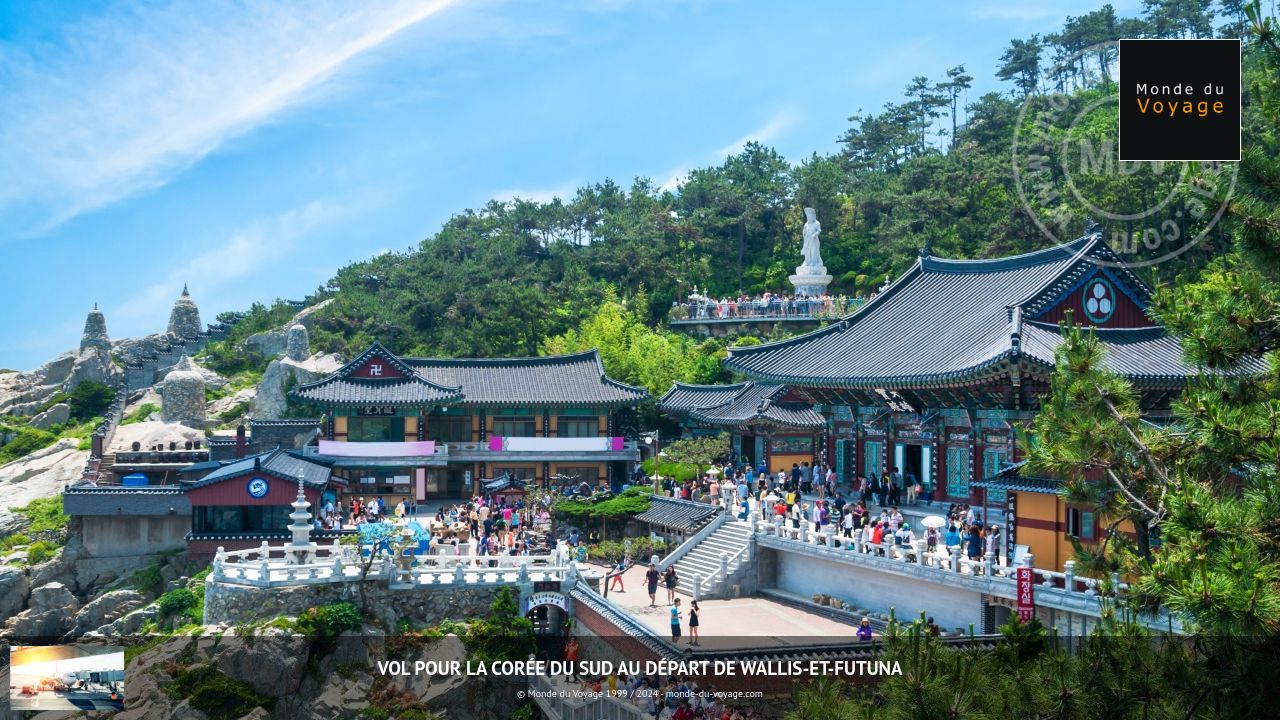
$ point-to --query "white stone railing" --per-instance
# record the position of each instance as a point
(692, 541)
(728, 565)
(943, 561)
(285, 565)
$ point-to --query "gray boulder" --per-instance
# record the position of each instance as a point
(270, 401)
(108, 608)
(53, 596)
(13, 591)
(57, 415)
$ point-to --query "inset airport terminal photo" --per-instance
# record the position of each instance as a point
(66, 677)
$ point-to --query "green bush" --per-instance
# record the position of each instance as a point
(328, 621)
(148, 579)
(41, 551)
(14, 540)
(26, 441)
(90, 398)
(44, 514)
(216, 695)
(177, 601)
(641, 548)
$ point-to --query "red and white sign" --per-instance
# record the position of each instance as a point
(1026, 595)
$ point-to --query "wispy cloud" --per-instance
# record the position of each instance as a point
(129, 99)
(564, 191)
(772, 128)
(246, 251)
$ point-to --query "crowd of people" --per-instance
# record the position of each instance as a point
(748, 492)
(768, 304)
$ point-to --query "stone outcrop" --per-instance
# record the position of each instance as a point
(183, 395)
(184, 319)
(107, 608)
(271, 400)
(41, 474)
(151, 434)
(298, 344)
(23, 393)
(59, 414)
(50, 612)
(226, 404)
(14, 587)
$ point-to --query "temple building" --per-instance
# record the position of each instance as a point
(418, 428)
(766, 423)
(941, 373)
(240, 504)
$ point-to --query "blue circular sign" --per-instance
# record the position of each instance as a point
(258, 487)
(1099, 300)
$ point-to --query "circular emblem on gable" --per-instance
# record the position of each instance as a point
(1099, 300)
(258, 487)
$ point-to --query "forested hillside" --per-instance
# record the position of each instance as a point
(931, 170)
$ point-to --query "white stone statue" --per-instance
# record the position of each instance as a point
(812, 245)
(811, 278)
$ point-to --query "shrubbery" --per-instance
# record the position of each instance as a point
(26, 441)
(216, 695)
(44, 514)
(41, 551)
(328, 621)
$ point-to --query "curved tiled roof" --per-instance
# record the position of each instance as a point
(954, 321)
(673, 513)
(404, 391)
(683, 397)
(1142, 354)
(556, 380)
(280, 463)
(341, 388)
(755, 405)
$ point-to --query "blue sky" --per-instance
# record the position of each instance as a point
(252, 149)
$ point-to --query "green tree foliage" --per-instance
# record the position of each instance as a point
(90, 398)
(1121, 672)
(697, 453)
(633, 353)
(504, 634)
(628, 503)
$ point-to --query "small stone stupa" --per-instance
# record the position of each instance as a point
(184, 320)
(182, 396)
(811, 278)
(95, 332)
(297, 345)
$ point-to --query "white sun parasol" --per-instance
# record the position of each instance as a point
(934, 521)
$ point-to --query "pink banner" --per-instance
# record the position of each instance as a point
(563, 445)
(1026, 595)
(377, 449)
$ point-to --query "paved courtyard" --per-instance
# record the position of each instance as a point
(734, 623)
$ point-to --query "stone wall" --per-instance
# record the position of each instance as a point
(952, 607)
(109, 537)
(239, 604)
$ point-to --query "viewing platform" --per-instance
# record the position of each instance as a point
(709, 317)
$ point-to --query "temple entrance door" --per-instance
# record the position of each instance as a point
(912, 459)
(454, 480)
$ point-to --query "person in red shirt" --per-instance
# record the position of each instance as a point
(683, 712)
(780, 508)
(877, 535)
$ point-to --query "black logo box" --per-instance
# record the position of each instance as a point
(1186, 69)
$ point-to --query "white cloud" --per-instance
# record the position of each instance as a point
(771, 129)
(129, 99)
(246, 251)
(564, 191)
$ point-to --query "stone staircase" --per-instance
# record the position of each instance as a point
(704, 560)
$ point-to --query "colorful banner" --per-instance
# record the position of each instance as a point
(1026, 595)
(377, 449)
(539, 444)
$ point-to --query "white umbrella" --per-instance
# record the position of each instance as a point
(934, 521)
(714, 471)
